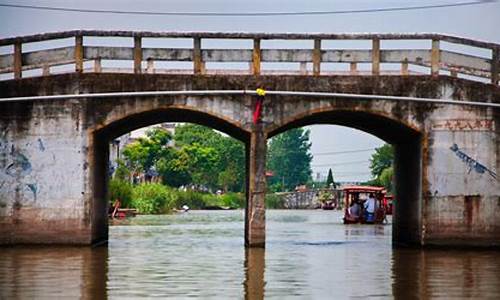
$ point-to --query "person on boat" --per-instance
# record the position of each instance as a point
(354, 209)
(370, 208)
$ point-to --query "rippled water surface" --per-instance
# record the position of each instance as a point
(309, 255)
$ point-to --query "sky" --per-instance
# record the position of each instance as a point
(473, 21)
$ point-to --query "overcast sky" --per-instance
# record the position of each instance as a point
(474, 21)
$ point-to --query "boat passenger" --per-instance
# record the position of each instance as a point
(354, 209)
(370, 208)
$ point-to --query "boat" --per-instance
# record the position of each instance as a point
(356, 195)
(329, 205)
(116, 212)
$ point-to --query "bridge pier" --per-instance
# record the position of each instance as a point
(255, 214)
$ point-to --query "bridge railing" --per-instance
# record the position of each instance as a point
(14, 63)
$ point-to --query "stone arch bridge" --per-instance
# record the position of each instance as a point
(65, 95)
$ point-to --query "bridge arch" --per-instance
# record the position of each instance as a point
(408, 141)
(121, 121)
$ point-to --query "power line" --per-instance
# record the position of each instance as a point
(247, 14)
(343, 176)
(348, 173)
(343, 152)
(342, 163)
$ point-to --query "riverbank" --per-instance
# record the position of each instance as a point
(156, 198)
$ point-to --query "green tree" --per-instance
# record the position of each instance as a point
(289, 158)
(173, 168)
(386, 179)
(200, 156)
(381, 165)
(143, 154)
(381, 159)
(122, 172)
(225, 169)
(329, 179)
(202, 163)
(189, 134)
(231, 165)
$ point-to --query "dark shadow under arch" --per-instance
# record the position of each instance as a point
(99, 152)
(408, 144)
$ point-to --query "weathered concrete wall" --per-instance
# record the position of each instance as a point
(300, 200)
(43, 180)
(462, 198)
(439, 200)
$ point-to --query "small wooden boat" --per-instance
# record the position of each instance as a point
(329, 205)
(117, 212)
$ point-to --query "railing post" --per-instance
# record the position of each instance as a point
(137, 55)
(78, 53)
(197, 59)
(45, 70)
(97, 65)
(303, 68)
(495, 65)
(150, 69)
(18, 60)
(435, 58)
(353, 68)
(317, 57)
(404, 67)
(375, 56)
(256, 57)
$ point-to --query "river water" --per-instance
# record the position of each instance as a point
(309, 255)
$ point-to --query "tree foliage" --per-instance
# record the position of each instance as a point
(289, 159)
(120, 190)
(143, 154)
(381, 165)
(224, 167)
(381, 159)
(329, 179)
(201, 156)
(386, 179)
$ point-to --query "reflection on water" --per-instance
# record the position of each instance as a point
(254, 273)
(309, 255)
(446, 274)
(48, 272)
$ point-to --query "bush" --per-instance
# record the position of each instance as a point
(153, 198)
(274, 201)
(190, 198)
(197, 200)
(122, 172)
(233, 200)
(119, 189)
(210, 200)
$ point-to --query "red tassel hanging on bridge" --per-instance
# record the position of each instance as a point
(258, 105)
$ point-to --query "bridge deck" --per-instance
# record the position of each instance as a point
(87, 51)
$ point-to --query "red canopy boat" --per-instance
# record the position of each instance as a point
(355, 197)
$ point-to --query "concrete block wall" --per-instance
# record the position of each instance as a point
(43, 174)
(462, 199)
